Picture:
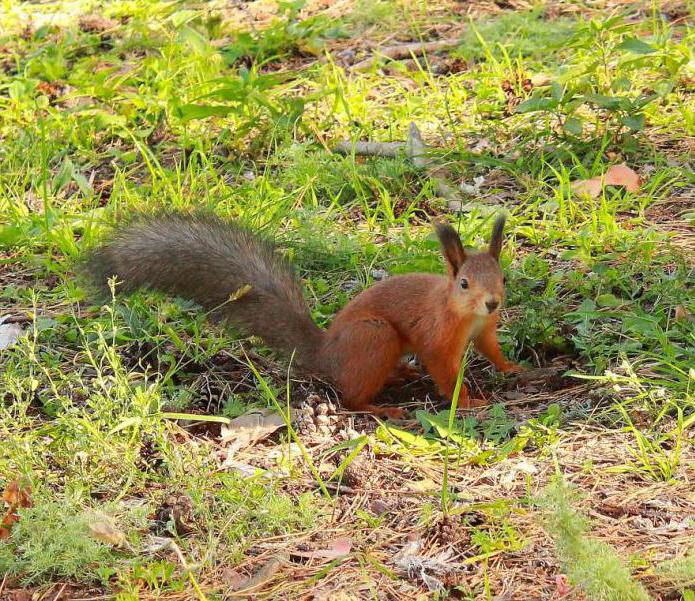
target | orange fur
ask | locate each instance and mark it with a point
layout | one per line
(425, 314)
(208, 260)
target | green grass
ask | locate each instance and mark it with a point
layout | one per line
(188, 106)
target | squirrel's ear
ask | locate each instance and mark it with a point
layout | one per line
(452, 249)
(496, 238)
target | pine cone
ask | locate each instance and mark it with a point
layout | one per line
(175, 513)
(357, 474)
(452, 530)
(150, 456)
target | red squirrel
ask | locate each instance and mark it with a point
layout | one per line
(239, 276)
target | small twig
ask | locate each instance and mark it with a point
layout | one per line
(538, 373)
(57, 595)
(415, 149)
(406, 51)
(376, 149)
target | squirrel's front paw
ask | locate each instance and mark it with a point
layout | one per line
(467, 402)
(511, 368)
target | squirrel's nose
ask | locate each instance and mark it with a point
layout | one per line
(492, 305)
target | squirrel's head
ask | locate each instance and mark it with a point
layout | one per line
(477, 281)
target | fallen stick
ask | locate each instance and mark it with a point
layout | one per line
(406, 51)
(373, 149)
(415, 149)
(538, 374)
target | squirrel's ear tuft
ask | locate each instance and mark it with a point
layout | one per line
(496, 238)
(452, 249)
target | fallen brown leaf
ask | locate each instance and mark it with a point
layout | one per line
(14, 496)
(264, 574)
(247, 429)
(423, 486)
(232, 578)
(682, 314)
(103, 528)
(617, 175)
(588, 187)
(562, 585)
(336, 548)
(622, 175)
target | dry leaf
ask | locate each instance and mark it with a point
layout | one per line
(341, 596)
(562, 586)
(617, 175)
(622, 175)
(265, 573)
(423, 486)
(588, 187)
(103, 528)
(15, 496)
(682, 314)
(232, 578)
(337, 548)
(155, 544)
(9, 333)
(473, 188)
(245, 469)
(540, 80)
(249, 428)
(426, 568)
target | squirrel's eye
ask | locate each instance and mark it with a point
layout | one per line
(464, 283)
(504, 279)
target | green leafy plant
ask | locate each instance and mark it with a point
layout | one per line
(287, 35)
(603, 94)
(591, 564)
(53, 540)
(498, 537)
(110, 108)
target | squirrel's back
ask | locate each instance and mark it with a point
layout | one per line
(229, 270)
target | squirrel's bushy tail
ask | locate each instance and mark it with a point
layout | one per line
(229, 270)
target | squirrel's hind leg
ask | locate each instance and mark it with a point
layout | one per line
(366, 354)
(444, 367)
